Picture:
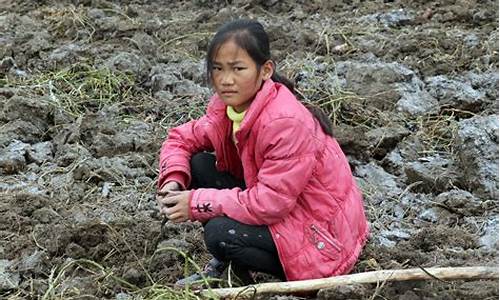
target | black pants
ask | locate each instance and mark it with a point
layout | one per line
(246, 247)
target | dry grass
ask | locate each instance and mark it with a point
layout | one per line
(69, 21)
(80, 88)
(103, 280)
(437, 132)
(183, 109)
(106, 281)
(319, 84)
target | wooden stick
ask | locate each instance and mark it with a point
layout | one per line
(367, 277)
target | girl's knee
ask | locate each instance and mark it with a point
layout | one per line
(201, 159)
(215, 234)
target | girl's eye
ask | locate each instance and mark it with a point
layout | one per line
(239, 68)
(216, 68)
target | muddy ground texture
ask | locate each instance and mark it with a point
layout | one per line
(88, 90)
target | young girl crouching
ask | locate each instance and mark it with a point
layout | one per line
(278, 196)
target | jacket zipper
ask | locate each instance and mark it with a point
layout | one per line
(221, 139)
(330, 241)
(236, 143)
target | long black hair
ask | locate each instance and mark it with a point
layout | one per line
(251, 36)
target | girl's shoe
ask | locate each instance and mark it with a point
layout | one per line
(212, 273)
(212, 270)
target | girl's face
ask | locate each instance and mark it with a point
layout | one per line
(236, 77)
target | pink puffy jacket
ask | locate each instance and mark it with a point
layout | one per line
(298, 181)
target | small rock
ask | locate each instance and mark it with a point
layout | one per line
(435, 173)
(394, 162)
(489, 237)
(429, 215)
(344, 292)
(477, 146)
(96, 13)
(384, 139)
(462, 202)
(383, 241)
(12, 158)
(454, 93)
(124, 296)
(375, 179)
(32, 263)
(7, 63)
(75, 251)
(486, 83)
(371, 77)
(106, 188)
(170, 250)
(128, 63)
(339, 49)
(178, 244)
(15, 72)
(67, 154)
(34, 110)
(66, 53)
(399, 212)
(269, 3)
(41, 152)
(415, 100)
(395, 234)
(189, 88)
(349, 139)
(161, 78)
(19, 130)
(145, 43)
(45, 215)
(133, 276)
(409, 295)
(8, 280)
(395, 18)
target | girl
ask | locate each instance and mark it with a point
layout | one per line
(278, 196)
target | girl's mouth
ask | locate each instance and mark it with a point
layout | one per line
(227, 93)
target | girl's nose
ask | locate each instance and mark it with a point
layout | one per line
(227, 78)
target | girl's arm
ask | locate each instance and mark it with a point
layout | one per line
(288, 149)
(182, 142)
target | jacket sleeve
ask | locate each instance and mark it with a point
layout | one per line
(182, 142)
(288, 161)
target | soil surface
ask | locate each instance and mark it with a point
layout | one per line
(89, 89)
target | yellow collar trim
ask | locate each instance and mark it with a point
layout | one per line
(234, 115)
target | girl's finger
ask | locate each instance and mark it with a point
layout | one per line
(162, 193)
(167, 192)
(170, 210)
(169, 200)
(164, 210)
(179, 219)
(159, 199)
(174, 192)
(174, 216)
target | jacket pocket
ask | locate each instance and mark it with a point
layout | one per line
(324, 242)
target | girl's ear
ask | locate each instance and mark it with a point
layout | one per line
(267, 70)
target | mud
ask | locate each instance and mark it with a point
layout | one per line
(89, 88)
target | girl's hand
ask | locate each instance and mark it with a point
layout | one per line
(165, 190)
(176, 206)
(169, 186)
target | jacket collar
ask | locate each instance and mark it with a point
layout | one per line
(263, 96)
